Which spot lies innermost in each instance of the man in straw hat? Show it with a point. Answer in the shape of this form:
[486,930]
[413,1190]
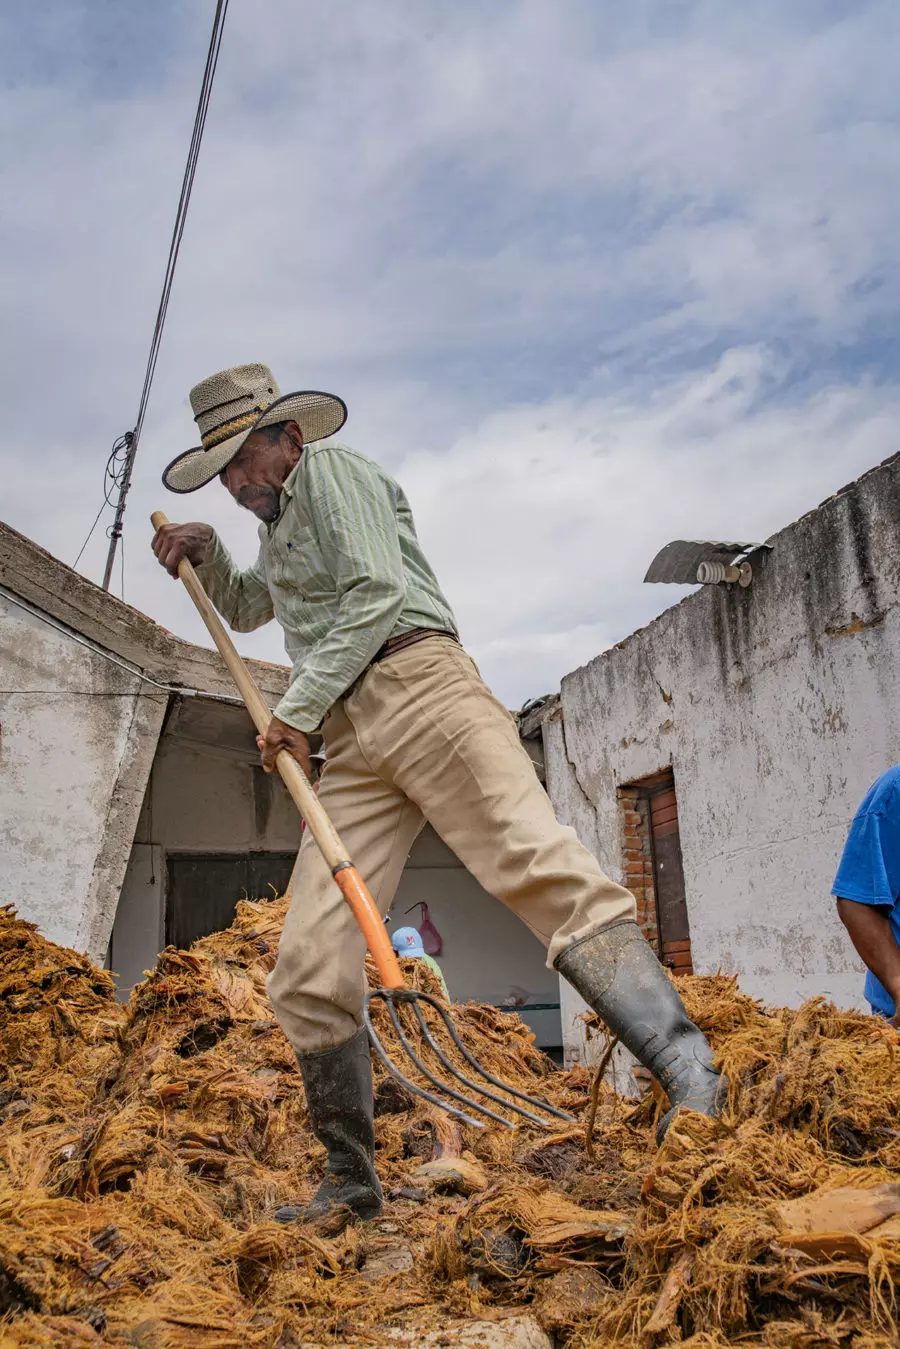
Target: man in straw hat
[412,733]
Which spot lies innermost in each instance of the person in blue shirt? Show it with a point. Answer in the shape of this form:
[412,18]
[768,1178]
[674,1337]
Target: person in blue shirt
[867,889]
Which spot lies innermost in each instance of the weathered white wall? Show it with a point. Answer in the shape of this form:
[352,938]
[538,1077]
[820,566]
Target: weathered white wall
[78,735]
[203,800]
[138,933]
[777,707]
[488,954]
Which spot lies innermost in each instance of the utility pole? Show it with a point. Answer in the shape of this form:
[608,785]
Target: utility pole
[115,532]
[129,442]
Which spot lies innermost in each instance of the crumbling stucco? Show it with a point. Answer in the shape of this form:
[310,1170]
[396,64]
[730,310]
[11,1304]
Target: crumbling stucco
[72,777]
[78,733]
[777,707]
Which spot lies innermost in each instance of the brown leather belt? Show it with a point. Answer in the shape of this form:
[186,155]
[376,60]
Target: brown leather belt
[405,639]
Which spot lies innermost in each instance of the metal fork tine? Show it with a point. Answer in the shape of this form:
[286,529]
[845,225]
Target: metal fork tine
[467,1081]
[483,1072]
[407,1082]
[426,1072]
[391,997]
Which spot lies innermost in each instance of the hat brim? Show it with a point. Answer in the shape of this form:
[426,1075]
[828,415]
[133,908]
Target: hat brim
[318,415]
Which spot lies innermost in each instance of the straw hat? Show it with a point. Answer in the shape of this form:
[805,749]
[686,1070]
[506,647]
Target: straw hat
[229,406]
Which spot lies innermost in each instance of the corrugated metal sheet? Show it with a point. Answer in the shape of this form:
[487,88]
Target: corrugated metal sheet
[678,561]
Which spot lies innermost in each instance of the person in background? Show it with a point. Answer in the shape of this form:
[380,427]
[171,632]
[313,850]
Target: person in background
[867,889]
[407,942]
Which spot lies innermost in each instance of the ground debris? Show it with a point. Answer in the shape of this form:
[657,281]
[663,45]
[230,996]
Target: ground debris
[144,1150]
[462,1175]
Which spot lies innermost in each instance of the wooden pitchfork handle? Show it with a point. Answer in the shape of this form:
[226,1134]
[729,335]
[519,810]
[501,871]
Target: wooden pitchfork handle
[347,878]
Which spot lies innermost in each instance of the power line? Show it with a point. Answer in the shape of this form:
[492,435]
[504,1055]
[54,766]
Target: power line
[120,464]
[113,478]
[97,650]
[90,532]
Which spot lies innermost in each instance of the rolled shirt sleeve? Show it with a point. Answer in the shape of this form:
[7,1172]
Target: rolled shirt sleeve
[869,870]
[355,521]
[241,597]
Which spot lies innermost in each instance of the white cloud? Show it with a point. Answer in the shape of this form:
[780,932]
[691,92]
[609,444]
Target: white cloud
[547,517]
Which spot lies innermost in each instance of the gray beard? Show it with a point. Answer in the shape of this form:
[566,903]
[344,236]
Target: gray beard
[267,499]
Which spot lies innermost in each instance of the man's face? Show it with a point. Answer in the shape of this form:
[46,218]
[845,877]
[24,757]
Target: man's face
[257,472]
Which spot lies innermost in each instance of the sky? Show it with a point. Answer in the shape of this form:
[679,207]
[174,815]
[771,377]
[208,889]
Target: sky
[590,277]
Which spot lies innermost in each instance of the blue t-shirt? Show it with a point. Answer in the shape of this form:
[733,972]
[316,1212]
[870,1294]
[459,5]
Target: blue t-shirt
[870,866]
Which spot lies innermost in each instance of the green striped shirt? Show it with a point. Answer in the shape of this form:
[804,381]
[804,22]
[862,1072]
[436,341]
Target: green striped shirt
[342,571]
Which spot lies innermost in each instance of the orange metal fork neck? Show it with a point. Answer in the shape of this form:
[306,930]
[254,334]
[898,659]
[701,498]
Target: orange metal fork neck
[354,890]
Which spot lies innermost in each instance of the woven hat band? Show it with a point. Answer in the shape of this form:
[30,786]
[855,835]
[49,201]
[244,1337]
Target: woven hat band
[230,428]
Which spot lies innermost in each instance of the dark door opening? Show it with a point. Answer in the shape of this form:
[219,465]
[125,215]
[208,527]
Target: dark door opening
[204,888]
[668,871]
[654,867]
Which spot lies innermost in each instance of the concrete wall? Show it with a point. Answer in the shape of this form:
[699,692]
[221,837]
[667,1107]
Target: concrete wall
[139,932]
[777,706]
[201,800]
[488,954]
[78,734]
[77,739]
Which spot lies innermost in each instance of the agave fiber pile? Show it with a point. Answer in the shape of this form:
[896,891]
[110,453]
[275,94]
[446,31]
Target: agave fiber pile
[144,1149]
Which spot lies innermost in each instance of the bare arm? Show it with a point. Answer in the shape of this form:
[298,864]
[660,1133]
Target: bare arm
[874,939]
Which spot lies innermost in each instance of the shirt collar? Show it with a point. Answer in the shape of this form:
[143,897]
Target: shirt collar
[291,479]
[287,491]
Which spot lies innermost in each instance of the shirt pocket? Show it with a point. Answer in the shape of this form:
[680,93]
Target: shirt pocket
[295,562]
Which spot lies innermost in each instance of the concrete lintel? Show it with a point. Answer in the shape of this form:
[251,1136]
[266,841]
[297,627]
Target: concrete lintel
[125,803]
[56,590]
[530,722]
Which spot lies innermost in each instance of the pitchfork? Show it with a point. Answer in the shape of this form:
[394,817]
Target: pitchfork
[394,992]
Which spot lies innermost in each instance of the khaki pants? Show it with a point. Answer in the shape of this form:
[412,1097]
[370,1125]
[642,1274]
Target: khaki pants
[421,737]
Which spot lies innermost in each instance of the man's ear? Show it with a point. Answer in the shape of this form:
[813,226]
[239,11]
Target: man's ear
[296,435]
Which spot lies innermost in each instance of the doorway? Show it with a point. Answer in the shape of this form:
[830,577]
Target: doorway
[204,888]
[654,870]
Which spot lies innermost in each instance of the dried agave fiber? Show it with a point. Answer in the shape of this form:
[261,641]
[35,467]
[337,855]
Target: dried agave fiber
[143,1150]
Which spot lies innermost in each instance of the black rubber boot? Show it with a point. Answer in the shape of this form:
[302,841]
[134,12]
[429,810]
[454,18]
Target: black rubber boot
[618,975]
[341,1108]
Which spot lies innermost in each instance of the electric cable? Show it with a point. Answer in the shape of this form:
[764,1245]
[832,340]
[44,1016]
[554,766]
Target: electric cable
[99,651]
[119,465]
